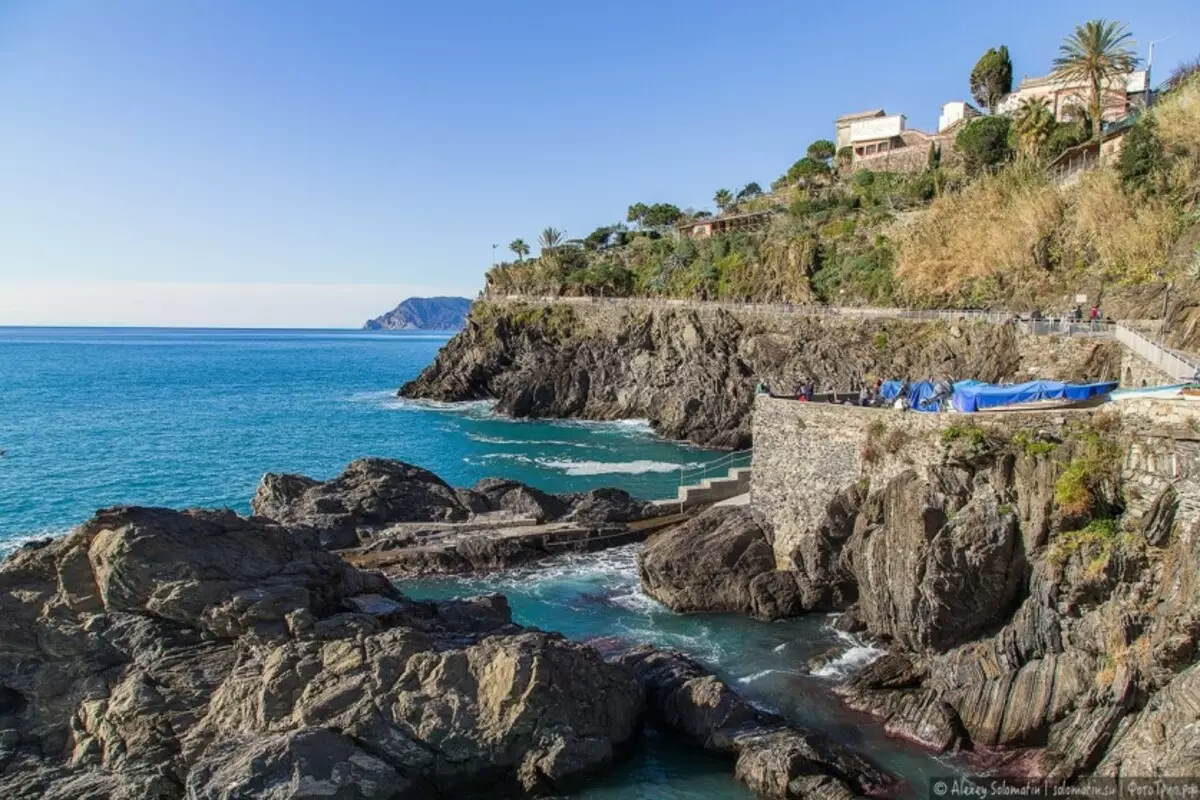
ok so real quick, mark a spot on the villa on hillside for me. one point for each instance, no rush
(728, 223)
(885, 143)
(1063, 96)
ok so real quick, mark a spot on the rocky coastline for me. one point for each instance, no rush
(202, 654)
(1033, 581)
(692, 371)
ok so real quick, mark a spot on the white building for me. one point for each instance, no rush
(955, 112)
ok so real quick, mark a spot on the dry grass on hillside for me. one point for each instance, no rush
(1117, 236)
(997, 233)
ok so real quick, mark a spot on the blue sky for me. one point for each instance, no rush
(387, 145)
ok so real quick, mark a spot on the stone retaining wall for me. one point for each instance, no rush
(804, 453)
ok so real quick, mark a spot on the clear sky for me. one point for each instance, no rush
(358, 151)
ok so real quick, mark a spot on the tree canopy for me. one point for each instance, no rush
(658, 215)
(991, 77)
(1098, 53)
(519, 247)
(821, 150)
(724, 199)
(983, 142)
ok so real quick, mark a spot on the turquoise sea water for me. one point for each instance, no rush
(95, 417)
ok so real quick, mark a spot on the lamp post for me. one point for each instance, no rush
(1150, 65)
(493, 255)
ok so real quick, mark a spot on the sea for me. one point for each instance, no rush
(95, 417)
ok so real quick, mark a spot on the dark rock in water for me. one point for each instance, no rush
(166, 654)
(606, 505)
(824, 658)
(423, 314)
(370, 493)
(720, 560)
(773, 758)
(501, 494)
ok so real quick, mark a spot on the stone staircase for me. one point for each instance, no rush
(711, 490)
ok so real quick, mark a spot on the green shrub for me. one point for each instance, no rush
(1028, 443)
(983, 142)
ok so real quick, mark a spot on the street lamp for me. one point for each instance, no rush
(1149, 65)
(494, 255)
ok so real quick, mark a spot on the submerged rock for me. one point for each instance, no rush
(720, 560)
(156, 653)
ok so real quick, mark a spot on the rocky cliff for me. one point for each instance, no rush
(423, 314)
(692, 371)
(154, 653)
(1034, 577)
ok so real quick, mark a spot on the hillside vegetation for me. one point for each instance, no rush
(987, 229)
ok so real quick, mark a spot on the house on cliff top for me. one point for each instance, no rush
(884, 143)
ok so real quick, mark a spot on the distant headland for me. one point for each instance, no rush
(423, 314)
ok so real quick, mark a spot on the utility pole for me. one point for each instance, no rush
(493, 255)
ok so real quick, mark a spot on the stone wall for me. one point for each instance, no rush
(804, 453)
(1137, 372)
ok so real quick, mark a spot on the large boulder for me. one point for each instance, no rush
(938, 560)
(606, 505)
(519, 500)
(773, 758)
(719, 560)
(369, 494)
(156, 653)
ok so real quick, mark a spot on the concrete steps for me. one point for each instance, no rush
(711, 490)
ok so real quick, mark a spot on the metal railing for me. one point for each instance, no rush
(717, 468)
(1174, 364)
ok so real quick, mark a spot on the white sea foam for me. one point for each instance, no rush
(849, 662)
(639, 467)
(11, 543)
(762, 673)
(779, 648)
(485, 439)
(638, 601)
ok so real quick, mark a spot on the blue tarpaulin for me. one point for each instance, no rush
(919, 394)
(975, 396)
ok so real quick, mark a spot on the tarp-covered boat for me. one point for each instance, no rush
(969, 397)
(973, 396)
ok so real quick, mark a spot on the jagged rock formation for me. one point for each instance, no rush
(719, 561)
(1034, 578)
(773, 759)
(423, 314)
(372, 494)
(692, 372)
(155, 653)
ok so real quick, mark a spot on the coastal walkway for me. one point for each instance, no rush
(1178, 366)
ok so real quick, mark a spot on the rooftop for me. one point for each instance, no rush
(875, 112)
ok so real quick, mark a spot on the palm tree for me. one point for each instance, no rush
(550, 239)
(724, 199)
(1032, 124)
(519, 247)
(1097, 53)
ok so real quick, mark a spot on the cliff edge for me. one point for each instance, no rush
(692, 370)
